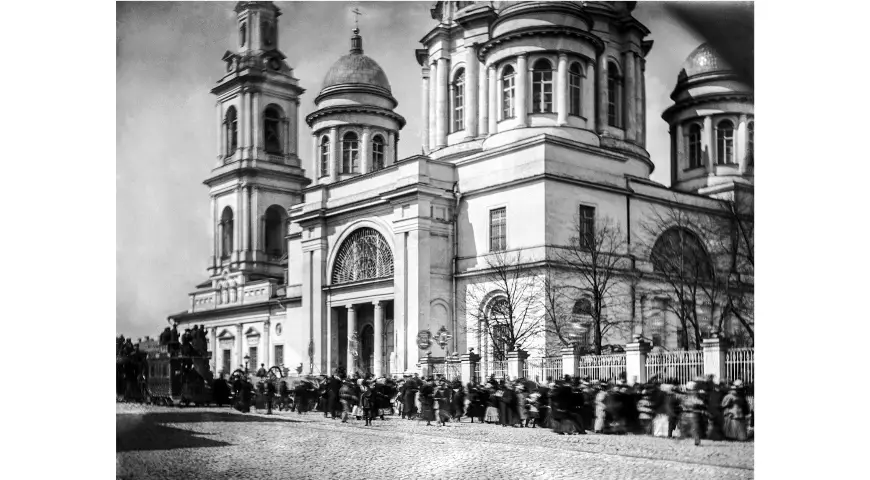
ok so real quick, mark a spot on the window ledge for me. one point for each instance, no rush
(691, 169)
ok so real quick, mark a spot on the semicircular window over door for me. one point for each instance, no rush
(364, 255)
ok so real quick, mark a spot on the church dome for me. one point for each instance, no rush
(357, 69)
(703, 60)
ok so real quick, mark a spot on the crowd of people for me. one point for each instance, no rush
(569, 406)
(192, 342)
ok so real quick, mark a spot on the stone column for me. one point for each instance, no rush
(433, 104)
(635, 360)
(708, 145)
(246, 218)
(425, 112)
(638, 100)
(587, 103)
(570, 361)
(213, 347)
(643, 102)
(682, 156)
(379, 341)
(471, 90)
(261, 244)
(441, 116)
(601, 82)
(216, 237)
(630, 123)
(257, 227)
(333, 154)
(256, 134)
(351, 328)
(715, 350)
(221, 133)
(315, 159)
(483, 100)
(267, 325)
(522, 80)
(240, 348)
(390, 153)
(327, 352)
(238, 221)
(243, 123)
(250, 118)
(515, 361)
(468, 361)
(741, 143)
(366, 150)
(493, 101)
(562, 93)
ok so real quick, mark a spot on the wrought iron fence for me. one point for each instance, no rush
(475, 372)
(740, 365)
(601, 367)
(496, 368)
(452, 370)
(438, 369)
(539, 369)
(682, 365)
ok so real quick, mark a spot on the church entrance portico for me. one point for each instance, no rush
(361, 337)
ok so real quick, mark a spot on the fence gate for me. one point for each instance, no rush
(601, 367)
(681, 365)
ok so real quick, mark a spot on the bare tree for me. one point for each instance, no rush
(597, 255)
(557, 312)
(503, 303)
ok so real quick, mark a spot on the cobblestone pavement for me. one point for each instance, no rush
(211, 443)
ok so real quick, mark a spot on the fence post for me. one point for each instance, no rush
(426, 365)
(467, 362)
(570, 361)
(515, 361)
(635, 360)
(715, 349)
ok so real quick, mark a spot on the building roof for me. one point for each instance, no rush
(356, 69)
(703, 60)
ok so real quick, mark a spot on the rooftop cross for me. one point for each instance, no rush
(357, 13)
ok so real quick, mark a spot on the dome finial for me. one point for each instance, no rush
(356, 39)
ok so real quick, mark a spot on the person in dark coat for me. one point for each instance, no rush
(270, 396)
(543, 404)
(427, 401)
(477, 399)
(333, 401)
(442, 402)
(457, 403)
(245, 392)
(347, 399)
(715, 395)
(261, 372)
(221, 391)
(368, 402)
(260, 399)
(409, 407)
(507, 405)
(575, 413)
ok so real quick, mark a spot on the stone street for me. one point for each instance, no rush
(211, 443)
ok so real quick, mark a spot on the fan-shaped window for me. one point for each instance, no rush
(377, 153)
(725, 142)
(350, 153)
(274, 235)
(272, 130)
(542, 87)
(750, 145)
(575, 88)
(324, 156)
(232, 131)
(458, 101)
(582, 307)
(508, 80)
(363, 255)
(694, 142)
(679, 253)
(614, 95)
(226, 231)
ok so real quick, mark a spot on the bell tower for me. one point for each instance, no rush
(257, 175)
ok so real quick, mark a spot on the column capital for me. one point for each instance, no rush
(378, 303)
(350, 306)
(563, 56)
(266, 323)
(366, 129)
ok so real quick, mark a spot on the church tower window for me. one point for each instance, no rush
(575, 88)
(377, 153)
(614, 95)
(542, 87)
(272, 127)
(350, 153)
(226, 229)
(274, 238)
(243, 33)
(725, 142)
(508, 79)
(694, 146)
(324, 156)
(750, 144)
(457, 99)
(232, 134)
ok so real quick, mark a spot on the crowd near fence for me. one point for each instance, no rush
(637, 364)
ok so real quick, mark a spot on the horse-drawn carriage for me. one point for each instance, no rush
(173, 377)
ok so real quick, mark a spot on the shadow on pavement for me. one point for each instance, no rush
(149, 432)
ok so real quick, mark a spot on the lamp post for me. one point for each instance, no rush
(247, 359)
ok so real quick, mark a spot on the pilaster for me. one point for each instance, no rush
(441, 103)
(562, 90)
(715, 350)
(522, 80)
(570, 361)
(515, 361)
(493, 101)
(468, 363)
(635, 360)
(471, 91)
(425, 112)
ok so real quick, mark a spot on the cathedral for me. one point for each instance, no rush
(330, 251)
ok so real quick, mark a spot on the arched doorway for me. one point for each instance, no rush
(367, 349)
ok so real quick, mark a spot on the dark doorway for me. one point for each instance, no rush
(367, 349)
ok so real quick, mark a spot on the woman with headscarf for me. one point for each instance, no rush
(427, 401)
(736, 411)
(493, 397)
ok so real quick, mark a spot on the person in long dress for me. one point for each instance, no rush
(736, 411)
(491, 415)
(427, 401)
(522, 414)
(601, 408)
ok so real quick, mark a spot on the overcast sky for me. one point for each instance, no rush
(169, 57)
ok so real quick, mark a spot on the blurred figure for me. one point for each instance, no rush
(457, 401)
(736, 410)
(645, 412)
(601, 408)
(522, 414)
(347, 399)
(694, 409)
(492, 404)
(427, 401)
(270, 396)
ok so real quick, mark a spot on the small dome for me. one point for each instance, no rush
(356, 68)
(704, 59)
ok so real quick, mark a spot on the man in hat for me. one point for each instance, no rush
(347, 399)
(261, 372)
(693, 410)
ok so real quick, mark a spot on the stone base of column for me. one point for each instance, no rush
(515, 361)
(714, 357)
(570, 361)
(635, 360)
(468, 365)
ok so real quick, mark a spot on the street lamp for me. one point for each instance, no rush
(247, 359)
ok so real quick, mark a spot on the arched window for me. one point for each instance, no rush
(458, 101)
(575, 88)
(614, 95)
(324, 156)
(750, 145)
(581, 316)
(243, 33)
(364, 255)
(350, 153)
(582, 307)
(377, 153)
(272, 130)
(542, 87)
(678, 253)
(694, 142)
(499, 315)
(508, 79)
(232, 133)
(725, 142)
(226, 230)
(274, 234)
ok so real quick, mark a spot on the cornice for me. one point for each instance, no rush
(520, 9)
(684, 83)
(534, 31)
(247, 167)
(436, 32)
(669, 112)
(369, 109)
(355, 88)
